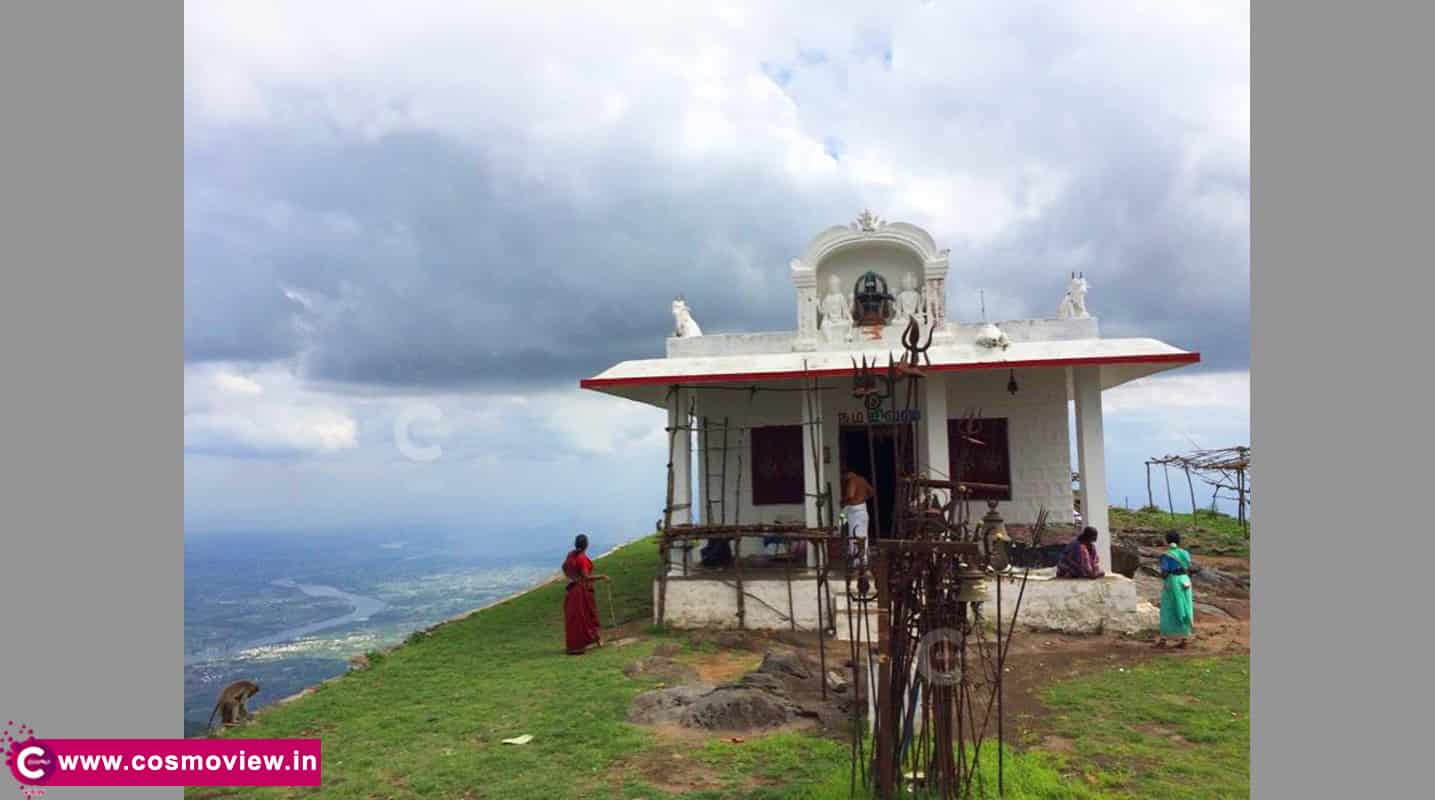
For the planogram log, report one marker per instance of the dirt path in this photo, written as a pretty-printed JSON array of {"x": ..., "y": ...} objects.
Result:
[{"x": 1036, "y": 660}]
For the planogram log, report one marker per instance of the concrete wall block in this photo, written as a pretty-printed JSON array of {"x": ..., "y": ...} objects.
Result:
[{"x": 1070, "y": 606}]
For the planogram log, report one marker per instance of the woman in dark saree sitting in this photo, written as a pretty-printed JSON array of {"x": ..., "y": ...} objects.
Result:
[
  {"x": 1080, "y": 559},
  {"x": 580, "y": 607}
]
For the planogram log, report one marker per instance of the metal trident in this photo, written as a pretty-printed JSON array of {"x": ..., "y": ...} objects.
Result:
[
  {"x": 866, "y": 381},
  {"x": 916, "y": 351}
]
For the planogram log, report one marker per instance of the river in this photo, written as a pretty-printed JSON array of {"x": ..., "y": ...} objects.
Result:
[{"x": 363, "y": 608}]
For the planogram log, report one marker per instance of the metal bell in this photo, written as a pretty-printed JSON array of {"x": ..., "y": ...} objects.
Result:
[
  {"x": 992, "y": 523},
  {"x": 973, "y": 587},
  {"x": 994, "y": 532}
]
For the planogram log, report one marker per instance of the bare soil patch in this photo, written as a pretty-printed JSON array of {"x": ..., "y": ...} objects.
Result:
[
  {"x": 725, "y": 666},
  {"x": 1058, "y": 744},
  {"x": 1163, "y": 732}
]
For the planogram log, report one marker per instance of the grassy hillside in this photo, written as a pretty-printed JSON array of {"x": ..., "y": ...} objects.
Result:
[
  {"x": 1208, "y": 532},
  {"x": 427, "y": 721}
]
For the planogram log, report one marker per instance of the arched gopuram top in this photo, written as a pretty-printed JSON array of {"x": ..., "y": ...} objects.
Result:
[
  {"x": 872, "y": 230},
  {"x": 903, "y": 254}
]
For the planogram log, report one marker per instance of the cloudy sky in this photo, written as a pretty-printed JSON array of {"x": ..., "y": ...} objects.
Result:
[{"x": 439, "y": 216}]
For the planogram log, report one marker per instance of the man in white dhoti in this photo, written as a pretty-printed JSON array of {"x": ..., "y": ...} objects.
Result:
[{"x": 856, "y": 491}]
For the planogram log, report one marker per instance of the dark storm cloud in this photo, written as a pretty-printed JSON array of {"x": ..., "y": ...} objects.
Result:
[
  {"x": 233, "y": 308},
  {"x": 460, "y": 274},
  {"x": 496, "y": 280},
  {"x": 1157, "y": 269}
]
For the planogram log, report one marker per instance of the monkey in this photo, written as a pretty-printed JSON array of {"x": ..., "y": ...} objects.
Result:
[{"x": 231, "y": 706}]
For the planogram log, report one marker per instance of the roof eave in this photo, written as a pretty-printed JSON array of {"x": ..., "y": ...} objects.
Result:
[{"x": 1115, "y": 370}]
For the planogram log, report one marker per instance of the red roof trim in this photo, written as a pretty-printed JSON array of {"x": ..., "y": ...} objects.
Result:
[{"x": 1158, "y": 358}]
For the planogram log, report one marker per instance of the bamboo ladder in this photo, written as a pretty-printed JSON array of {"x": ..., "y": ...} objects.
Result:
[
  {"x": 679, "y": 421},
  {"x": 720, "y": 498}
]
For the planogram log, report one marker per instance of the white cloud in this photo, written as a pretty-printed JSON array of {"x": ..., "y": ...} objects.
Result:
[
  {"x": 592, "y": 423},
  {"x": 1166, "y": 415},
  {"x": 271, "y": 431},
  {"x": 1214, "y": 391},
  {"x": 227, "y": 413},
  {"x": 270, "y": 411},
  {"x": 685, "y": 83},
  {"x": 236, "y": 384}
]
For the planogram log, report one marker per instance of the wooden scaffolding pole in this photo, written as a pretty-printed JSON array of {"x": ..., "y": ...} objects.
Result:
[
  {"x": 673, "y": 427},
  {"x": 1170, "y": 504},
  {"x": 1192, "y": 488},
  {"x": 737, "y": 540},
  {"x": 722, "y": 505},
  {"x": 1241, "y": 498},
  {"x": 716, "y": 522}
]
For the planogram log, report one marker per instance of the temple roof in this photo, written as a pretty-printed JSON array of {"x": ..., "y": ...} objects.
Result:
[{"x": 1120, "y": 361}]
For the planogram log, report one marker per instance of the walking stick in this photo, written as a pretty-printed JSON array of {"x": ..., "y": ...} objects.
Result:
[{"x": 612, "y": 614}]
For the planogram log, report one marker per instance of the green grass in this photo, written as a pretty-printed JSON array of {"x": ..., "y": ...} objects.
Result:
[
  {"x": 427, "y": 719},
  {"x": 1174, "y": 727},
  {"x": 1208, "y": 532},
  {"x": 774, "y": 766},
  {"x": 1031, "y": 775},
  {"x": 795, "y": 766}
]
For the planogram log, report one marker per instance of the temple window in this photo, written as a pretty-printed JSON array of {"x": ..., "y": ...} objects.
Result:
[
  {"x": 985, "y": 460},
  {"x": 777, "y": 465}
]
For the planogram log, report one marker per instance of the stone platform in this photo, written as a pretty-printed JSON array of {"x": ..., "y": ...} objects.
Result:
[
  {"x": 1108, "y": 604},
  {"x": 709, "y": 600}
]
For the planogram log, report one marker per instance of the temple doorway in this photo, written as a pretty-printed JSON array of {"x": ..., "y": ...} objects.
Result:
[{"x": 857, "y": 456}]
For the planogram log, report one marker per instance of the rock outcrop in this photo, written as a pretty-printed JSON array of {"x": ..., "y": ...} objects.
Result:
[
  {"x": 761, "y": 699},
  {"x": 664, "y": 705}
]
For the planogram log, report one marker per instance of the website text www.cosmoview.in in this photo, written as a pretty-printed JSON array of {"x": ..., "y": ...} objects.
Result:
[{"x": 166, "y": 762}]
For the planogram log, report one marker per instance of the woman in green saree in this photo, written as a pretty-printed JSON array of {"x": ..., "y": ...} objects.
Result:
[{"x": 1176, "y": 603}]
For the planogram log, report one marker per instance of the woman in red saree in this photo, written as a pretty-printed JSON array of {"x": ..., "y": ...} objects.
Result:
[{"x": 580, "y": 607}]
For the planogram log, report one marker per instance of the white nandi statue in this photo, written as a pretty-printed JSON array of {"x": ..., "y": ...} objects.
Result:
[
  {"x": 683, "y": 323},
  {"x": 992, "y": 336},
  {"x": 1073, "y": 306}
]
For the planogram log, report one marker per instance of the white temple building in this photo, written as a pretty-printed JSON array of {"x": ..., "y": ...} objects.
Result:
[{"x": 790, "y": 422}]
